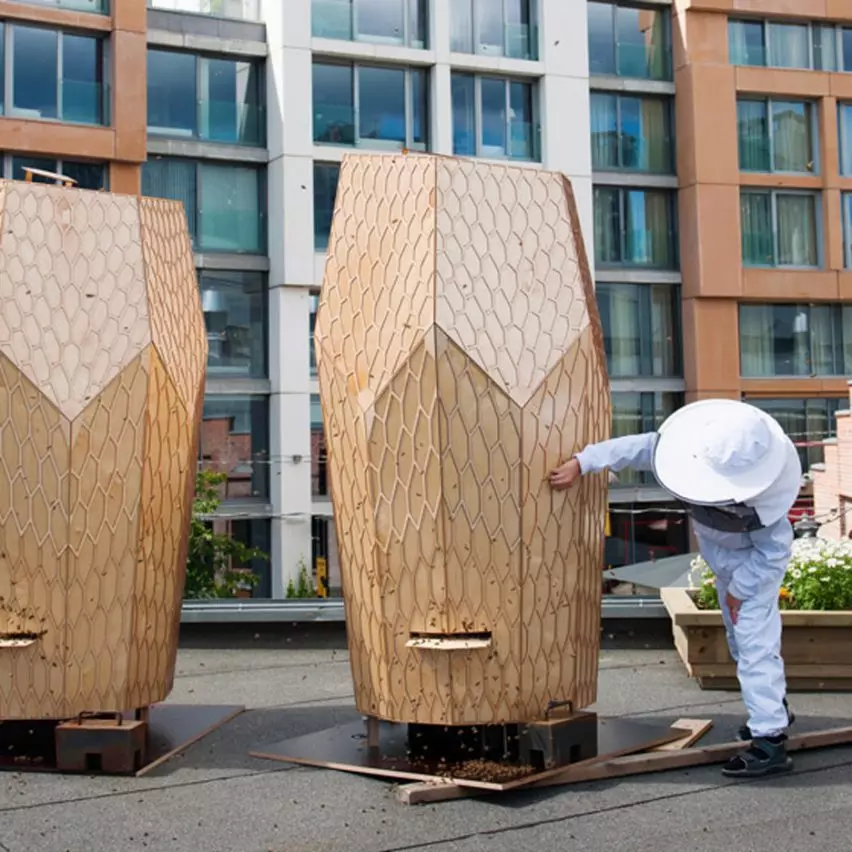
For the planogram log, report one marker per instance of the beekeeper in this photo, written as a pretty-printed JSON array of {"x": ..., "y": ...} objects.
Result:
[{"x": 737, "y": 475}]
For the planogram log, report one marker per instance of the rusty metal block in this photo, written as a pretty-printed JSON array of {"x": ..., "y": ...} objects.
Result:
[
  {"x": 558, "y": 742},
  {"x": 109, "y": 745}
]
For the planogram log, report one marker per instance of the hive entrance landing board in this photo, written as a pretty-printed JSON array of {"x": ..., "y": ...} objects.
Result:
[
  {"x": 345, "y": 748},
  {"x": 29, "y": 746}
]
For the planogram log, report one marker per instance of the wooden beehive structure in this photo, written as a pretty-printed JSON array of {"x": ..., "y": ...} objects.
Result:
[
  {"x": 102, "y": 361},
  {"x": 460, "y": 359}
]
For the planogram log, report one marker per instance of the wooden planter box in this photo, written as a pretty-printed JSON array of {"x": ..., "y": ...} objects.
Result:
[{"x": 816, "y": 646}]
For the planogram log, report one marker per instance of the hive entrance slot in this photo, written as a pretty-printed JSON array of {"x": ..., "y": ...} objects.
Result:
[{"x": 450, "y": 641}]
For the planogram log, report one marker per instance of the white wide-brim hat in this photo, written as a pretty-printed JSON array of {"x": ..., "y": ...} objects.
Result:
[{"x": 718, "y": 451}]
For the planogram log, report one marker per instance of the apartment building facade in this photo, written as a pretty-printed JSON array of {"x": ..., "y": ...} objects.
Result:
[{"x": 709, "y": 152}]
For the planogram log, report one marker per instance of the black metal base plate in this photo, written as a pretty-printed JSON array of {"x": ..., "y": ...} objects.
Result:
[
  {"x": 30, "y": 745},
  {"x": 345, "y": 748}
]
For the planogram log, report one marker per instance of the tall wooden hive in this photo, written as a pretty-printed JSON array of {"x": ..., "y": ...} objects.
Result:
[
  {"x": 460, "y": 359},
  {"x": 102, "y": 362}
]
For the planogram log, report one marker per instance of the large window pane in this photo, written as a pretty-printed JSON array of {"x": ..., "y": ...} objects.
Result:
[
  {"x": 419, "y": 108},
  {"x": 845, "y": 138},
  {"x": 82, "y": 97},
  {"x": 642, "y": 42},
  {"x": 791, "y": 137},
  {"x": 797, "y": 232},
  {"x": 521, "y": 128},
  {"x": 846, "y": 38},
  {"x": 171, "y": 93},
  {"x": 326, "y": 176},
  {"x": 641, "y": 532},
  {"x": 44, "y": 164},
  {"x": 230, "y": 102},
  {"x": 758, "y": 245},
  {"x": 645, "y": 134},
  {"x": 319, "y": 468},
  {"x": 377, "y": 21},
  {"x": 605, "y": 136},
  {"x": 311, "y": 326},
  {"x": 332, "y": 19},
  {"x": 608, "y": 237},
  {"x": 35, "y": 72},
  {"x": 825, "y": 47},
  {"x": 637, "y": 412},
  {"x": 521, "y": 36},
  {"x": 234, "y": 306},
  {"x": 87, "y": 175},
  {"x": 235, "y": 441},
  {"x": 788, "y": 45},
  {"x": 464, "y": 114},
  {"x": 334, "y": 107},
  {"x": 746, "y": 43},
  {"x": 640, "y": 329},
  {"x": 649, "y": 229},
  {"x": 493, "y": 97},
  {"x": 230, "y": 215},
  {"x": 601, "y": 38},
  {"x": 175, "y": 179},
  {"x": 461, "y": 37},
  {"x": 753, "y": 136},
  {"x": 381, "y": 104},
  {"x": 381, "y": 20},
  {"x": 805, "y": 421}
]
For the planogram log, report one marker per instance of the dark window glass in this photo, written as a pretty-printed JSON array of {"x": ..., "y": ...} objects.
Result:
[
  {"x": 601, "y": 38},
  {"x": 493, "y": 93},
  {"x": 230, "y": 102},
  {"x": 235, "y": 441},
  {"x": 846, "y": 37},
  {"x": 464, "y": 114},
  {"x": 381, "y": 20},
  {"x": 87, "y": 175},
  {"x": 175, "y": 179},
  {"x": 639, "y": 532},
  {"x": 420, "y": 107},
  {"x": 312, "y": 326},
  {"x": 172, "y": 106},
  {"x": 254, "y": 533},
  {"x": 753, "y": 135},
  {"x": 746, "y": 43},
  {"x": 631, "y": 133},
  {"x": 231, "y": 216},
  {"x": 234, "y": 306},
  {"x": 82, "y": 95},
  {"x": 35, "y": 72},
  {"x": 319, "y": 471},
  {"x": 19, "y": 164},
  {"x": 334, "y": 108},
  {"x": 325, "y": 189},
  {"x": 381, "y": 104}
]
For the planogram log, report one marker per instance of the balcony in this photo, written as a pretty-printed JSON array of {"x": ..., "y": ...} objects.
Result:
[
  {"x": 244, "y": 10},
  {"x": 223, "y": 121}
]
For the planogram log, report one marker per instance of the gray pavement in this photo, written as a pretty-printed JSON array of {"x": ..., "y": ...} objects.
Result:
[{"x": 217, "y": 798}]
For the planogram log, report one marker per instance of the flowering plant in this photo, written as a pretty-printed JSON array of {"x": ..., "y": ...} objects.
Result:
[{"x": 819, "y": 577}]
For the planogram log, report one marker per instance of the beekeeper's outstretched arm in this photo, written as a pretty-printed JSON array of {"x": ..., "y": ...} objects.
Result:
[{"x": 635, "y": 451}]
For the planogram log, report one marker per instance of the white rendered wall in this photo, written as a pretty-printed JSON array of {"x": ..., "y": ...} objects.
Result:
[{"x": 563, "y": 92}]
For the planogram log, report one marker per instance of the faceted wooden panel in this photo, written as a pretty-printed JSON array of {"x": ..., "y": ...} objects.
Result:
[
  {"x": 102, "y": 358},
  {"x": 457, "y": 367}
]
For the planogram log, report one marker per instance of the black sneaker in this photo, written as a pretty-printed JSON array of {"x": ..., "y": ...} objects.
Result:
[
  {"x": 744, "y": 733},
  {"x": 763, "y": 757}
]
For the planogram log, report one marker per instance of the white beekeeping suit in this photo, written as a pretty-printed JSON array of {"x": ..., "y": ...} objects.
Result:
[{"x": 737, "y": 475}]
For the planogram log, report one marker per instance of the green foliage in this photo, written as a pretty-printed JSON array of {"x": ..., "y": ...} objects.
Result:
[
  {"x": 214, "y": 562},
  {"x": 819, "y": 577},
  {"x": 305, "y": 587}
]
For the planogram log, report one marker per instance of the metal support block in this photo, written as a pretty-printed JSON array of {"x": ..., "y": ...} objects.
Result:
[
  {"x": 114, "y": 745},
  {"x": 559, "y": 742}
]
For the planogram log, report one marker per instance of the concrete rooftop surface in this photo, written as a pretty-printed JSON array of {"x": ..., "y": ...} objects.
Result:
[{"x": 217, "y": 798}]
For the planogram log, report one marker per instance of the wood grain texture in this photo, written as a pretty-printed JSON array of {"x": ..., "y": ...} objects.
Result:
[
  {"x": 99, "y": 414},
  {"x": 460, "y": 358}
]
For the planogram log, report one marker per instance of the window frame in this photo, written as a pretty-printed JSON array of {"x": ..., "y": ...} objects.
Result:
[
  {"x": 773, "y": 195},
  {"x": 668, "y": 101},
  {"x": 507, "y": 81},
  {"x": 9, "y": 110},
  {"x": 533, "y": 51},
  {"x": 379, "y": 144},
  {"x": 846, "y": 218},
  {"x": 195, "y": 226},
  {"x": 202, "y": 61},
  {"x": 667, "y": 47},
  {"x": 813, "y": 130},
  {"x": 671, "y": 198},
  {"x": 405, "y": 41},
  {"x": 813, "y": 28}
]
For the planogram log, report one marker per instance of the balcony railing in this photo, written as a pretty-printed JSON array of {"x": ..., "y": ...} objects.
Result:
[
  {"x": 245, "y": 10},
  {"x": 216, "y": 121}
]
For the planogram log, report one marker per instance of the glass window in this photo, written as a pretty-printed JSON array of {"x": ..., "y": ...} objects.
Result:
[
  {"x": 639, "y": 532},
  {"x": 807, "y": 422},
  {"x": 201, "y": 97},
  {"x": 319, "y": 469},
  {"x": 780, "y": 44},
  {"x": 87, "y": 175},
  {"x": 254, "y": 533},
  {"x": 494, "y": 28},
  {"x": 844, "y": 120},
  {"x": 779, "y": 228},
  {"x": 231, "y": 214},
  {"x": 494, "y": 117},
  {"x": 746, "y": 43},
  {"x": 641, "y": 329},
  {"x": 795, "y": 340},
  {"x": 224, "y": 204},
  {"x": 637, "y": 412},
  {"x": 635, "y": 227},
  {"x": 847, "y": 229},
  {"x": 630, "y": 132},
  {"x": 56, "y": 75},
  {"x": 629, "y": 41},
  {"x": 377, "y": 21},
  {"x": 788, "y": 45},
  {"x": 235, "y": 441},
  {"x": 846, "y": 46},
  {"x": 312, "y": 327},
  {"x": 234, "y": 306},
  {"x": 325, "y": 190},
  {"x": 776, "y": 136},
  {"x": 390, "y": 105},
  {"x": 97, "y": 6},
  {"x": 171, "y": 93}
]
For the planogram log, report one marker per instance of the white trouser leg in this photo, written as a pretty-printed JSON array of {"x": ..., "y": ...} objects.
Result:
[
  {"x": 760, "y": 669},
  {"x": 722, "y": 591}
]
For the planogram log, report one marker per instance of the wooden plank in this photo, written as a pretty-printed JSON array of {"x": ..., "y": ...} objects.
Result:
[{"x": 442, "y": 790}]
